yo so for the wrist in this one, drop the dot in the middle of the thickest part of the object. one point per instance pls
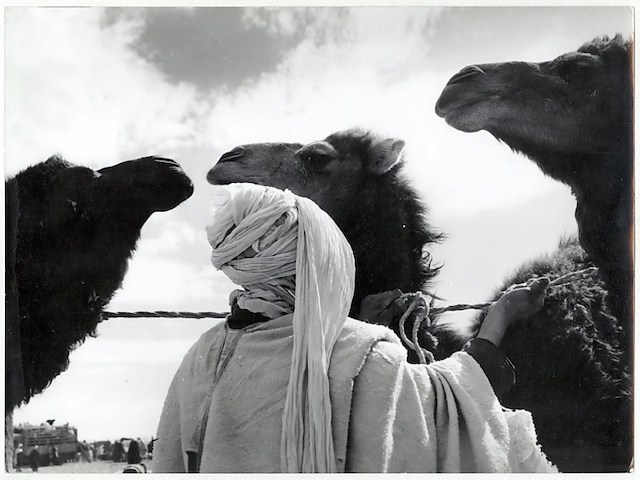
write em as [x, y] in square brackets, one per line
[494, 325]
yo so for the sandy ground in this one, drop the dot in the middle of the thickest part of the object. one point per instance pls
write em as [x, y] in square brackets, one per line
[84, 467]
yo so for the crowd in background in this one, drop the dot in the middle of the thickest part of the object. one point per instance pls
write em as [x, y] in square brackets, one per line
[129, 450]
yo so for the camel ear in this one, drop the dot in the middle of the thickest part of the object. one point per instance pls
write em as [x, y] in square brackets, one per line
[386, 154]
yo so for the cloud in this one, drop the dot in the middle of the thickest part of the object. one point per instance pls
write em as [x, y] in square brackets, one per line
[158, 279]
[372, 69]
[74, 86]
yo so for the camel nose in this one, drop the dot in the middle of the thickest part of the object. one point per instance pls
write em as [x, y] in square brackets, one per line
[232, 155]
[466, 72]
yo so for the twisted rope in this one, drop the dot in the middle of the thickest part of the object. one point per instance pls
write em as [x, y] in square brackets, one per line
[562, 280]
[163, 314]
[424, 355]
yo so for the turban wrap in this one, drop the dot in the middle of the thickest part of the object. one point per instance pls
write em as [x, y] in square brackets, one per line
[289, 256]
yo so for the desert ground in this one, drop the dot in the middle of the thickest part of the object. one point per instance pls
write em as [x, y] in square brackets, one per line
[84, 467]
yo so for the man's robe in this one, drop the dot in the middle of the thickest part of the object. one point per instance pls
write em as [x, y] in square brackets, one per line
[223, 411]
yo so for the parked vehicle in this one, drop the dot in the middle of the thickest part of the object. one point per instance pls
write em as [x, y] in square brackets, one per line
[63, 437]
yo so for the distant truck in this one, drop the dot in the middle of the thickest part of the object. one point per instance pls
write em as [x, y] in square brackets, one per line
[63, 437]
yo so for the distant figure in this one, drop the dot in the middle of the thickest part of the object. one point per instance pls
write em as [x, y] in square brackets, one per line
[150, 447]
[118, 452]
[83, 450]
[54, 458]
[19, 458]
[133, 455]
[34, 459]
[93, 453]
[143, 448]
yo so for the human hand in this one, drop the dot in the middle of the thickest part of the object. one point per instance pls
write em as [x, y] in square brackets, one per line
[381, 308]
[522, 300]
[518, 302]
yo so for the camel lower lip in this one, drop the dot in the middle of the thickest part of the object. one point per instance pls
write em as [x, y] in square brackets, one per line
[453, 109]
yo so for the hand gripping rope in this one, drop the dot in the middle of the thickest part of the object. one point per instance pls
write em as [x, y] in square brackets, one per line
[426, 356]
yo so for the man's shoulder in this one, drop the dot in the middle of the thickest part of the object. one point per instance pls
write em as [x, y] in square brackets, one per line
[206, 342]
[355, 344]
[359, 332]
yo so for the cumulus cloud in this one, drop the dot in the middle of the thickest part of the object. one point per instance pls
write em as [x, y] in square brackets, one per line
[74, 86]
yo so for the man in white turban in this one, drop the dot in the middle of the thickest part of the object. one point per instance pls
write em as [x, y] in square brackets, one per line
[289, 383]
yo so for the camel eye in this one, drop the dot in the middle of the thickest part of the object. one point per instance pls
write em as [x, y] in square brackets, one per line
[317, 156]
[317, 160]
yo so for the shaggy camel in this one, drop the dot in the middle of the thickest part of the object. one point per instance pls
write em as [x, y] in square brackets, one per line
[572, 116]
[70, 232]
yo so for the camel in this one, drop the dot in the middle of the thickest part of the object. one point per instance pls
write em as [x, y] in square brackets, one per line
[70, 232]
[360, 170]
[374, 208]
[572, 116]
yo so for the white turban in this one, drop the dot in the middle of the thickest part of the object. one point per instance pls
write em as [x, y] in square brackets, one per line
[290, 256]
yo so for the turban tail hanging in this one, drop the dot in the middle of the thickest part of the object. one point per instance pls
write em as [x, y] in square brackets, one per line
[289, 256]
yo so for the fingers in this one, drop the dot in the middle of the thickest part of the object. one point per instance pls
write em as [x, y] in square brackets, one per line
[386, 298]
[381, 300]
[380, 307]
[538, 285]
[400, 305]
[517, 286]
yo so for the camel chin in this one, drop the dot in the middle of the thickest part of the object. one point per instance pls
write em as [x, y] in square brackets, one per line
[467, 124]
[466, 117]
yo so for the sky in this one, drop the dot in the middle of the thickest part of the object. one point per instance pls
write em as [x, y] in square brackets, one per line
[100, 86]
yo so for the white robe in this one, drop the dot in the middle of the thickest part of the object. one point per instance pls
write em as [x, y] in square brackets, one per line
[387, 415]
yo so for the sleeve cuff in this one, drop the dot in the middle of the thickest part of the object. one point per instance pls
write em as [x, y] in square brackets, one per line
[494, 362]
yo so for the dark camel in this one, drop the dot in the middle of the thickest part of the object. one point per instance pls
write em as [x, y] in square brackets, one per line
[572, 116]
[70, 232]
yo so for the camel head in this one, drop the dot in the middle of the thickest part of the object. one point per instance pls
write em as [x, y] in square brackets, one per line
[328, 171]
[576, 106]
[127, 192]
